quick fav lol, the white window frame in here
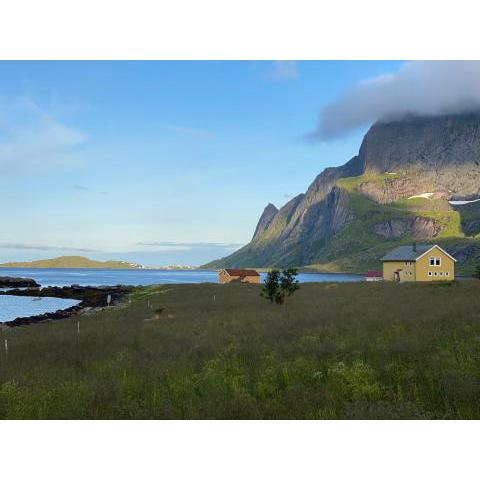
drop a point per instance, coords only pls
(429, 274)
(435, 261)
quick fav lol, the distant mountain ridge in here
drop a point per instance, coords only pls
(71, 262)
(396, 190)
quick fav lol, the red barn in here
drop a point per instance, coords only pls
(238, 275)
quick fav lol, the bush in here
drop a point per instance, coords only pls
(476, 274)
(278, 285)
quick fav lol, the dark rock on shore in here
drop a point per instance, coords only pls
(14, 282)
(90, 297)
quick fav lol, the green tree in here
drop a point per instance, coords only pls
(477, 272)
(278, 285)
(271, 289)
(288, 282)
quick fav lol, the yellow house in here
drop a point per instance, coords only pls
(238, 275)
(418, 263)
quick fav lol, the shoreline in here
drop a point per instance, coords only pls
(90, 298)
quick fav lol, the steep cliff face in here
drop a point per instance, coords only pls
(265, 221)
(418, 227)
(441, 153)
(395, 190)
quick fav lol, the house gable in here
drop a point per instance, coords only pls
(432, 249)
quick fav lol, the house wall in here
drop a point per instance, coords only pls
(225, 278)
(407, 271)
(389, 268)
(444, 272)
(253, 279)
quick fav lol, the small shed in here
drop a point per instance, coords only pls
(374, 276)
(228, 275)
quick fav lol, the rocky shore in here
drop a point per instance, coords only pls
(14, 282)
(90, 297)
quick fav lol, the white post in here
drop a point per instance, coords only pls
(214, 298)
(78, 327)
(109, 299)
(6, 347)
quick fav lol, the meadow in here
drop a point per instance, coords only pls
(209, 351)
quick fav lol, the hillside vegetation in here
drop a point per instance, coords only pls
(209, 351)
(70, 262)
(397, 190)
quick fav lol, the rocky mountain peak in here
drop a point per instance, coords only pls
(445, 150)
(265, 219)
(396, 189)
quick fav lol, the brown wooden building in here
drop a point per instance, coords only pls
(238, 275)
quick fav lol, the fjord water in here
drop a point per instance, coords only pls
(95, 276)
(12, 307)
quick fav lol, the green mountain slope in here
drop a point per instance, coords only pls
(397, 190)
(71, 262)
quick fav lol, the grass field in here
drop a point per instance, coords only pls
(356, 350)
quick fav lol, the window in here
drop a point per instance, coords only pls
(435, 261)
(446, 274)
(441, 274)
(436, 274)
(429, 274)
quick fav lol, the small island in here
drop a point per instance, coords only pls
(73, 261)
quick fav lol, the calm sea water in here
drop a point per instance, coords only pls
(12, 307)
(95, 276)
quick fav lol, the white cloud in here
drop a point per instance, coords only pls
(424, 88)
(284, 69)
(23, 246)
(31, 139)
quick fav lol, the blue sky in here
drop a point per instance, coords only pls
(160, 162)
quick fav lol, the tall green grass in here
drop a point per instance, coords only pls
(333, 351)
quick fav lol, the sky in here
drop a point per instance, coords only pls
(169, 162)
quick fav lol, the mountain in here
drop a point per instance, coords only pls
(398, 189)
(71, 262)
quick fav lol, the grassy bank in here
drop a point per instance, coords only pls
(334, 351)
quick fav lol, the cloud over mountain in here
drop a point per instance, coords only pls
(424, 88)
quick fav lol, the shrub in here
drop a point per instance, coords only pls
(279, 285)
(476, 274)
